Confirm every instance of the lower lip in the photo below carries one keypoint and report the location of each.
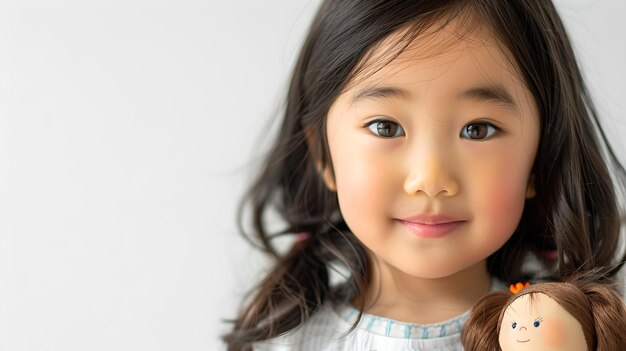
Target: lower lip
(431, 231)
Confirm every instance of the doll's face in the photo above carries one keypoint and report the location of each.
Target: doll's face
(460, 141)
(540, 324)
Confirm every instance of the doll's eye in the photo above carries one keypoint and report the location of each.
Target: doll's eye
(480, 130)
(514, 325)
(536, 324)
(385, 129)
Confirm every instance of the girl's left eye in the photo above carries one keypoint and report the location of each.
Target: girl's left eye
(480, 130)
(536, 324)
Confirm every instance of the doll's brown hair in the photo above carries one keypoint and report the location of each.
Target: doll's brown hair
(574, 221)
(597, 307)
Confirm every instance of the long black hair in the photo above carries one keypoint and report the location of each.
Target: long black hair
(575, 214)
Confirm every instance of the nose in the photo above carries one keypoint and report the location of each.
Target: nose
(524, 328)
(430, 172)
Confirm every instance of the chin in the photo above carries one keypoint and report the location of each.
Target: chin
(431, 272)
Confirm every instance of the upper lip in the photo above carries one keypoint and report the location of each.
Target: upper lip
(431, 219)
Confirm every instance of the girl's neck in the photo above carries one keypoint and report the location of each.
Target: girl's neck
(421, 300)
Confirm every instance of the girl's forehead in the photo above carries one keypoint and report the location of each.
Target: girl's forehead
(434, 51)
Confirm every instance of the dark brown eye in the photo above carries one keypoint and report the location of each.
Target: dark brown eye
(385, 129)
(478, 131)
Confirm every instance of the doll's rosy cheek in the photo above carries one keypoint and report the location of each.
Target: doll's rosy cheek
(552, 332)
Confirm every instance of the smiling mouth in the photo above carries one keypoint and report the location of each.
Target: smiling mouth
(523, 340)
(431, 231)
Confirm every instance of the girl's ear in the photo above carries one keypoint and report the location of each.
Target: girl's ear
(530, 188)
(328, 178)
(323, 170)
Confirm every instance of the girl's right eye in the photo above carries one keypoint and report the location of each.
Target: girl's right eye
(513, 325)
(385, 129)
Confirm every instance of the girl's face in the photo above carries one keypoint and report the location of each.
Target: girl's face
(540, 324)
(448, 128)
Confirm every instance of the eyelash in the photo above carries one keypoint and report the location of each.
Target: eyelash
(488, 124)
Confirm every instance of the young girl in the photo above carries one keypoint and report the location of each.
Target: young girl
(433, 150)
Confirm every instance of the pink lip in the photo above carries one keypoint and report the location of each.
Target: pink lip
(430, 219)
(431, 231)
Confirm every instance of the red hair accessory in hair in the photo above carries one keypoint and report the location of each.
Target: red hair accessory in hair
(303, 236)
(515, 288)
(300, 241)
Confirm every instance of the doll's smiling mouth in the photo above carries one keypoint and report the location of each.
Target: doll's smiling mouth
(523, 340)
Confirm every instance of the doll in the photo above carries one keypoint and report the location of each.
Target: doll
(572, 316)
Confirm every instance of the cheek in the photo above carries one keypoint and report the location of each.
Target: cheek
(506, 339)
(503, 193)
(553, 333)
(364, 186)
(497, 186)
(359, 188)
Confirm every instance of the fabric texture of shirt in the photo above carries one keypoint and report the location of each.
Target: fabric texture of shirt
(326, 331)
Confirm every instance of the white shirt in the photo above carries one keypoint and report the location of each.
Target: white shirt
(323, 332)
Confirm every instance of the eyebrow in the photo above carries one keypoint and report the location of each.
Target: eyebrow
(486, 93)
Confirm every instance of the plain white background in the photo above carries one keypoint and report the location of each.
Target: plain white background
(128, 131)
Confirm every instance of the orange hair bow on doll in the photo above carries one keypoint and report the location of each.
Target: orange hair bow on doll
(515, 288)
